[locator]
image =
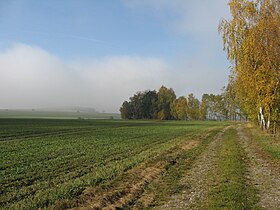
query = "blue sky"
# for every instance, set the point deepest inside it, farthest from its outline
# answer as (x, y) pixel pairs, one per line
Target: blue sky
(88, 28)
(88, 49)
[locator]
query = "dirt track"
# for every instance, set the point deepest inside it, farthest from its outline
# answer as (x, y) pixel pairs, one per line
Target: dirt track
(261, 174)
(196, 181)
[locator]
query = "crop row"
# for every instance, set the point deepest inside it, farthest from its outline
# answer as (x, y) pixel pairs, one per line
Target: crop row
(36, 172)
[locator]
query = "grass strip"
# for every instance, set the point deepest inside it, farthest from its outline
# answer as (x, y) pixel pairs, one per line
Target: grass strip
(267, 143)
(231, 191)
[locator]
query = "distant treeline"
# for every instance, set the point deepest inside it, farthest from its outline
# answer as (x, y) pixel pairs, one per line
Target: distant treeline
(164, 105)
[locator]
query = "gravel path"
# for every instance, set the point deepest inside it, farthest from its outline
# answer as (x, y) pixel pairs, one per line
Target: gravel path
(196, 182)
(262, 175)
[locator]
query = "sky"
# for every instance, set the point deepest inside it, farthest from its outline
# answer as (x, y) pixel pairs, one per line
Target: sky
(95, 53)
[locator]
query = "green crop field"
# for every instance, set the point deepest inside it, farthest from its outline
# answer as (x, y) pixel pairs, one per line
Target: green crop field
(47, 161)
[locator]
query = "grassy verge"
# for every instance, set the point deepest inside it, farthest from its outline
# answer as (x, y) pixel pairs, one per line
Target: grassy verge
(268, 144)
(231, 190)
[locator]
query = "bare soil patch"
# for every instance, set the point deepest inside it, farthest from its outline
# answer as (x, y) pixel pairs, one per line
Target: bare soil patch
(190, 145)
(121, 194)
(129, 188)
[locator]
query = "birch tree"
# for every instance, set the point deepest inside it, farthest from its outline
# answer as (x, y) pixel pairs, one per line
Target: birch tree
(251, 40)
(193, 107)
(179, 108)
(165, 97)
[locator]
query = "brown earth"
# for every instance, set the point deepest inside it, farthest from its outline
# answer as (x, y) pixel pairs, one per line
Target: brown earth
(122, 193)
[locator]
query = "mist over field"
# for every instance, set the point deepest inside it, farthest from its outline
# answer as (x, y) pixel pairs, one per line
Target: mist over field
(101, 67)
(139, 104)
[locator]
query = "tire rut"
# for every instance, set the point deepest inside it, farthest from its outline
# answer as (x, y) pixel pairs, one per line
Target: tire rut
(196, 182)
(261, 174)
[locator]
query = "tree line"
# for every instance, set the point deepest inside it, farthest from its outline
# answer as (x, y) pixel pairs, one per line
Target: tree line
(252, 42)
(164, 105)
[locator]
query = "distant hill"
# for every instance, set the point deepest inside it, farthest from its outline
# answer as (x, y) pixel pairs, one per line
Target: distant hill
(69, 109)
(58, 113)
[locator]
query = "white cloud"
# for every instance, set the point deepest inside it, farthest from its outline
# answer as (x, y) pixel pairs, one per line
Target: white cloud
(32, 77)
(114, 79)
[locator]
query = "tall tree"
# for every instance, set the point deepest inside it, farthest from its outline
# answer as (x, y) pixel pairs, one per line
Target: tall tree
(149, 103)
(232, 105)
(204, 107)
(193, 107)
(165, 97)
(137, 105)
(179, 108)
(142, 105)
(126, 110)
(251, 39)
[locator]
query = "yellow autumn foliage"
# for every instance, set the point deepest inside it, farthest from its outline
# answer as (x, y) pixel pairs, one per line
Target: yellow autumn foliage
(252, 42)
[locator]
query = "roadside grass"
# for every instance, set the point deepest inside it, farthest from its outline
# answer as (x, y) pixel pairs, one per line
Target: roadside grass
(266, 143)
(232, 190)
(44, 161)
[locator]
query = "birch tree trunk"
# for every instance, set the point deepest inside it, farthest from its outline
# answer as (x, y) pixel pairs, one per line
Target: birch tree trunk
(263, 123)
